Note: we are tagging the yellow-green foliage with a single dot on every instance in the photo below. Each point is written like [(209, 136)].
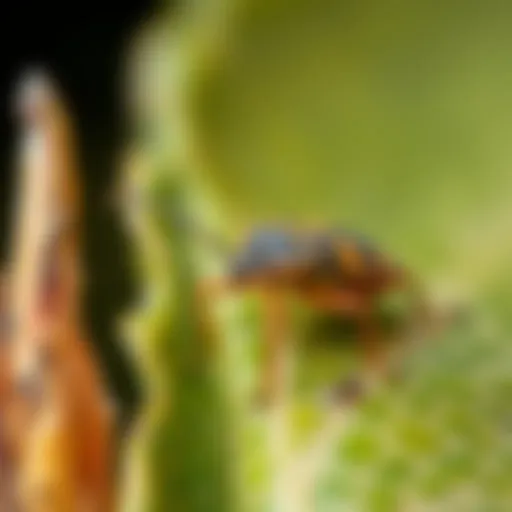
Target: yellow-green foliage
[(182, 453), (389, 117), (440, 440)]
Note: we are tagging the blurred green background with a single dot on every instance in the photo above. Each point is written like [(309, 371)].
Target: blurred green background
[(391, 118)]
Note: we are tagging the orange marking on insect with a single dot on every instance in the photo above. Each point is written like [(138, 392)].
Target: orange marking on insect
[(350, 258)]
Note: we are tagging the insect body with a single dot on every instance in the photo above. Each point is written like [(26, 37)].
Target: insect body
[(310, 262), (335, 271)]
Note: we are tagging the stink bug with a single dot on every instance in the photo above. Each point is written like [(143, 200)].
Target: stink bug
[(335, 271)]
